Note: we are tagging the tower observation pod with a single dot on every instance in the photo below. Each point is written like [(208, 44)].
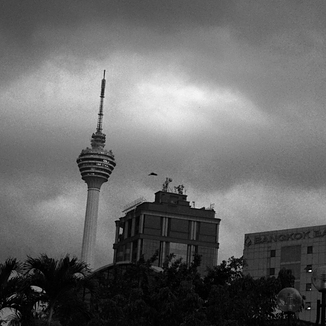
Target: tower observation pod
[(95, 165)]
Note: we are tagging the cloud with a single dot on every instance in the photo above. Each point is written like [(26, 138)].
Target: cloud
[(226, 97), (257, 207)]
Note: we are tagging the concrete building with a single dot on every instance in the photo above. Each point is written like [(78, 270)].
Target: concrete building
[(167, 225), (95, 165), (301, 250)]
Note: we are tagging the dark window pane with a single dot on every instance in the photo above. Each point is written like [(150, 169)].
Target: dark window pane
[(134, 251), (152, 225), (129, 228), (127, 251), (208, 256), (149, 248), (179, 250), (137, 221), (291, 253), (207, 232), (179, 228)]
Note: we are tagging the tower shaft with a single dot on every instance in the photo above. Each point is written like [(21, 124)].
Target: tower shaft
[(90, 226)]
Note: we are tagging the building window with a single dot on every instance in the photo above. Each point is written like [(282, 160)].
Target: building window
[(137, 222), (290, 254), (308, 287), (120, 251), (179, 250), (134, 251), (208, 256), (207, 232), (309, 249), (273, 253), (307, 305), (152, 225), (308, 268), (149, 248), (127, 252), (271, 271), (129, 223), (121, 231), (179, 229)]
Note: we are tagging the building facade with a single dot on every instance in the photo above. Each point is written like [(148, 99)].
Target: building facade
[(301, 250), (167, 225)]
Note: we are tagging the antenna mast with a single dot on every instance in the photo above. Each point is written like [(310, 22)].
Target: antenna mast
[(100, 114)]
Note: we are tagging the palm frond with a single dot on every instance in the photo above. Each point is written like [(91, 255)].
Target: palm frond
[(6, 270), (60, 281)]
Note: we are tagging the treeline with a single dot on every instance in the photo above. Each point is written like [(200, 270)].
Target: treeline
[(64, 292)]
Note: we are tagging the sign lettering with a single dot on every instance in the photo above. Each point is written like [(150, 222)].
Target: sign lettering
[(270, 238)]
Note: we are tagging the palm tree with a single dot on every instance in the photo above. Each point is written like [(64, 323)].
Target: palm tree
[(60, 284), (12, 290), (9, 272)]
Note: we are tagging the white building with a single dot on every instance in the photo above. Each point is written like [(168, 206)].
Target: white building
[(301, 250)]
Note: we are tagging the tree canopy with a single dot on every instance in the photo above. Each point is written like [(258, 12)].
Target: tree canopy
[(63, 292)]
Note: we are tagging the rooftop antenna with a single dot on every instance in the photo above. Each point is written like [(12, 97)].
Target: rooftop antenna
[(98, 138), (166, 184), (179, 189), (100, 114)]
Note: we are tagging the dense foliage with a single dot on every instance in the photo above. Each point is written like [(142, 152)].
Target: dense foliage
[(45, 291)]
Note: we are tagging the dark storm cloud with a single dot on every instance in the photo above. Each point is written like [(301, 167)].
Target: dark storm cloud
[(33, 30), (282, 158), (20, 19)]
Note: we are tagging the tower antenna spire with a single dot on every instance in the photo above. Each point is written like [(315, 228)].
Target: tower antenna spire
[(100, 114)]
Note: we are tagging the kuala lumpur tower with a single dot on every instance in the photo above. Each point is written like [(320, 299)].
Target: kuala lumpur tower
[(95, 165)]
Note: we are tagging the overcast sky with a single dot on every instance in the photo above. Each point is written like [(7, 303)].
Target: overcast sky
[(225, 97)]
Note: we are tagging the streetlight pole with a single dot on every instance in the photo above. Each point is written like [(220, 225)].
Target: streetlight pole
[(319, 281), (323, 302)]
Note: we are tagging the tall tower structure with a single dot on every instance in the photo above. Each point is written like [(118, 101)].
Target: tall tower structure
[(95, 165)]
